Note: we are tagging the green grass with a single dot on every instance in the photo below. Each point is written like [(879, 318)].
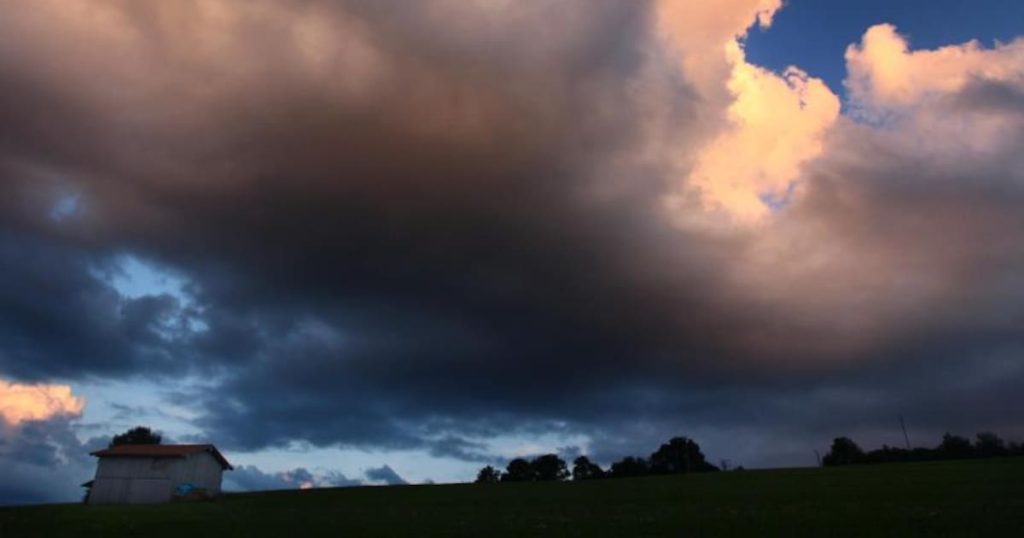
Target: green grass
[(968, 498)]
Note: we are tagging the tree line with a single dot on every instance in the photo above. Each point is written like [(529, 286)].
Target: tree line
[(953, 447), (678, 455)]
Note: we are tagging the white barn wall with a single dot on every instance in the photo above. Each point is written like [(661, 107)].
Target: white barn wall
[(202, 470), (145, 479)]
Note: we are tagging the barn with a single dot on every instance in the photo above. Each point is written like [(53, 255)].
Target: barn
[(136, 474)]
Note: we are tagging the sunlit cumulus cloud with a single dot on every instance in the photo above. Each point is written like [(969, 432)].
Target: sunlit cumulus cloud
[(909, 219), (418, 227), (21, 402), (773, 122), (884, 72), (776, 123)]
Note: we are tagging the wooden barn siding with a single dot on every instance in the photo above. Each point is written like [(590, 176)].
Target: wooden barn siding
[(201, 470), (115, 477)]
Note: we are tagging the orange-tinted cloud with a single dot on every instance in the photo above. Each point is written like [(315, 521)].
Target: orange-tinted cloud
[(772, 123), (20, 403), (901, 214), (776, 123), (884, 72), (702, 31)]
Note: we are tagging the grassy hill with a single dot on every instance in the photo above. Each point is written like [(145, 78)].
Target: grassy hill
[(965, 498)]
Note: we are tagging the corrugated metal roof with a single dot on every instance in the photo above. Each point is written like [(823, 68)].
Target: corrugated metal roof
[(161, 451)]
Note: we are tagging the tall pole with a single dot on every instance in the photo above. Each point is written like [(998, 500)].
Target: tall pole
[(906, 437)]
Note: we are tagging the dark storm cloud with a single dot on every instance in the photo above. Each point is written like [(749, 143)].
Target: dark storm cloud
[(60, 318), (461, 449), (44, 461), (418, 227)]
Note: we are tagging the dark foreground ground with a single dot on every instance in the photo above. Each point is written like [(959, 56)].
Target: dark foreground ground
[(972, 498)]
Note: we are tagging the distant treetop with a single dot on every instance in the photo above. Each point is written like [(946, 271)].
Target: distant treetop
[(139, 435)]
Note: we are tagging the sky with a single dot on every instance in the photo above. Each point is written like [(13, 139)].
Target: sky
[(355, 242), (812, 34)]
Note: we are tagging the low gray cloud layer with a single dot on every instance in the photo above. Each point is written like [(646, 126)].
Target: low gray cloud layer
[(251, 478), (385, 474)]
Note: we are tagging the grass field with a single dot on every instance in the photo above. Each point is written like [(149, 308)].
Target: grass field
[(967, 498)]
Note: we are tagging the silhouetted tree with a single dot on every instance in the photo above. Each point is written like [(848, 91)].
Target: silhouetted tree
[(518, 470), (584, 469), (139, 435), (629, 466), (989, 445), (843, 452), (679, 455), (549, 467), (886, 454), (955, 447), (488, 475)]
